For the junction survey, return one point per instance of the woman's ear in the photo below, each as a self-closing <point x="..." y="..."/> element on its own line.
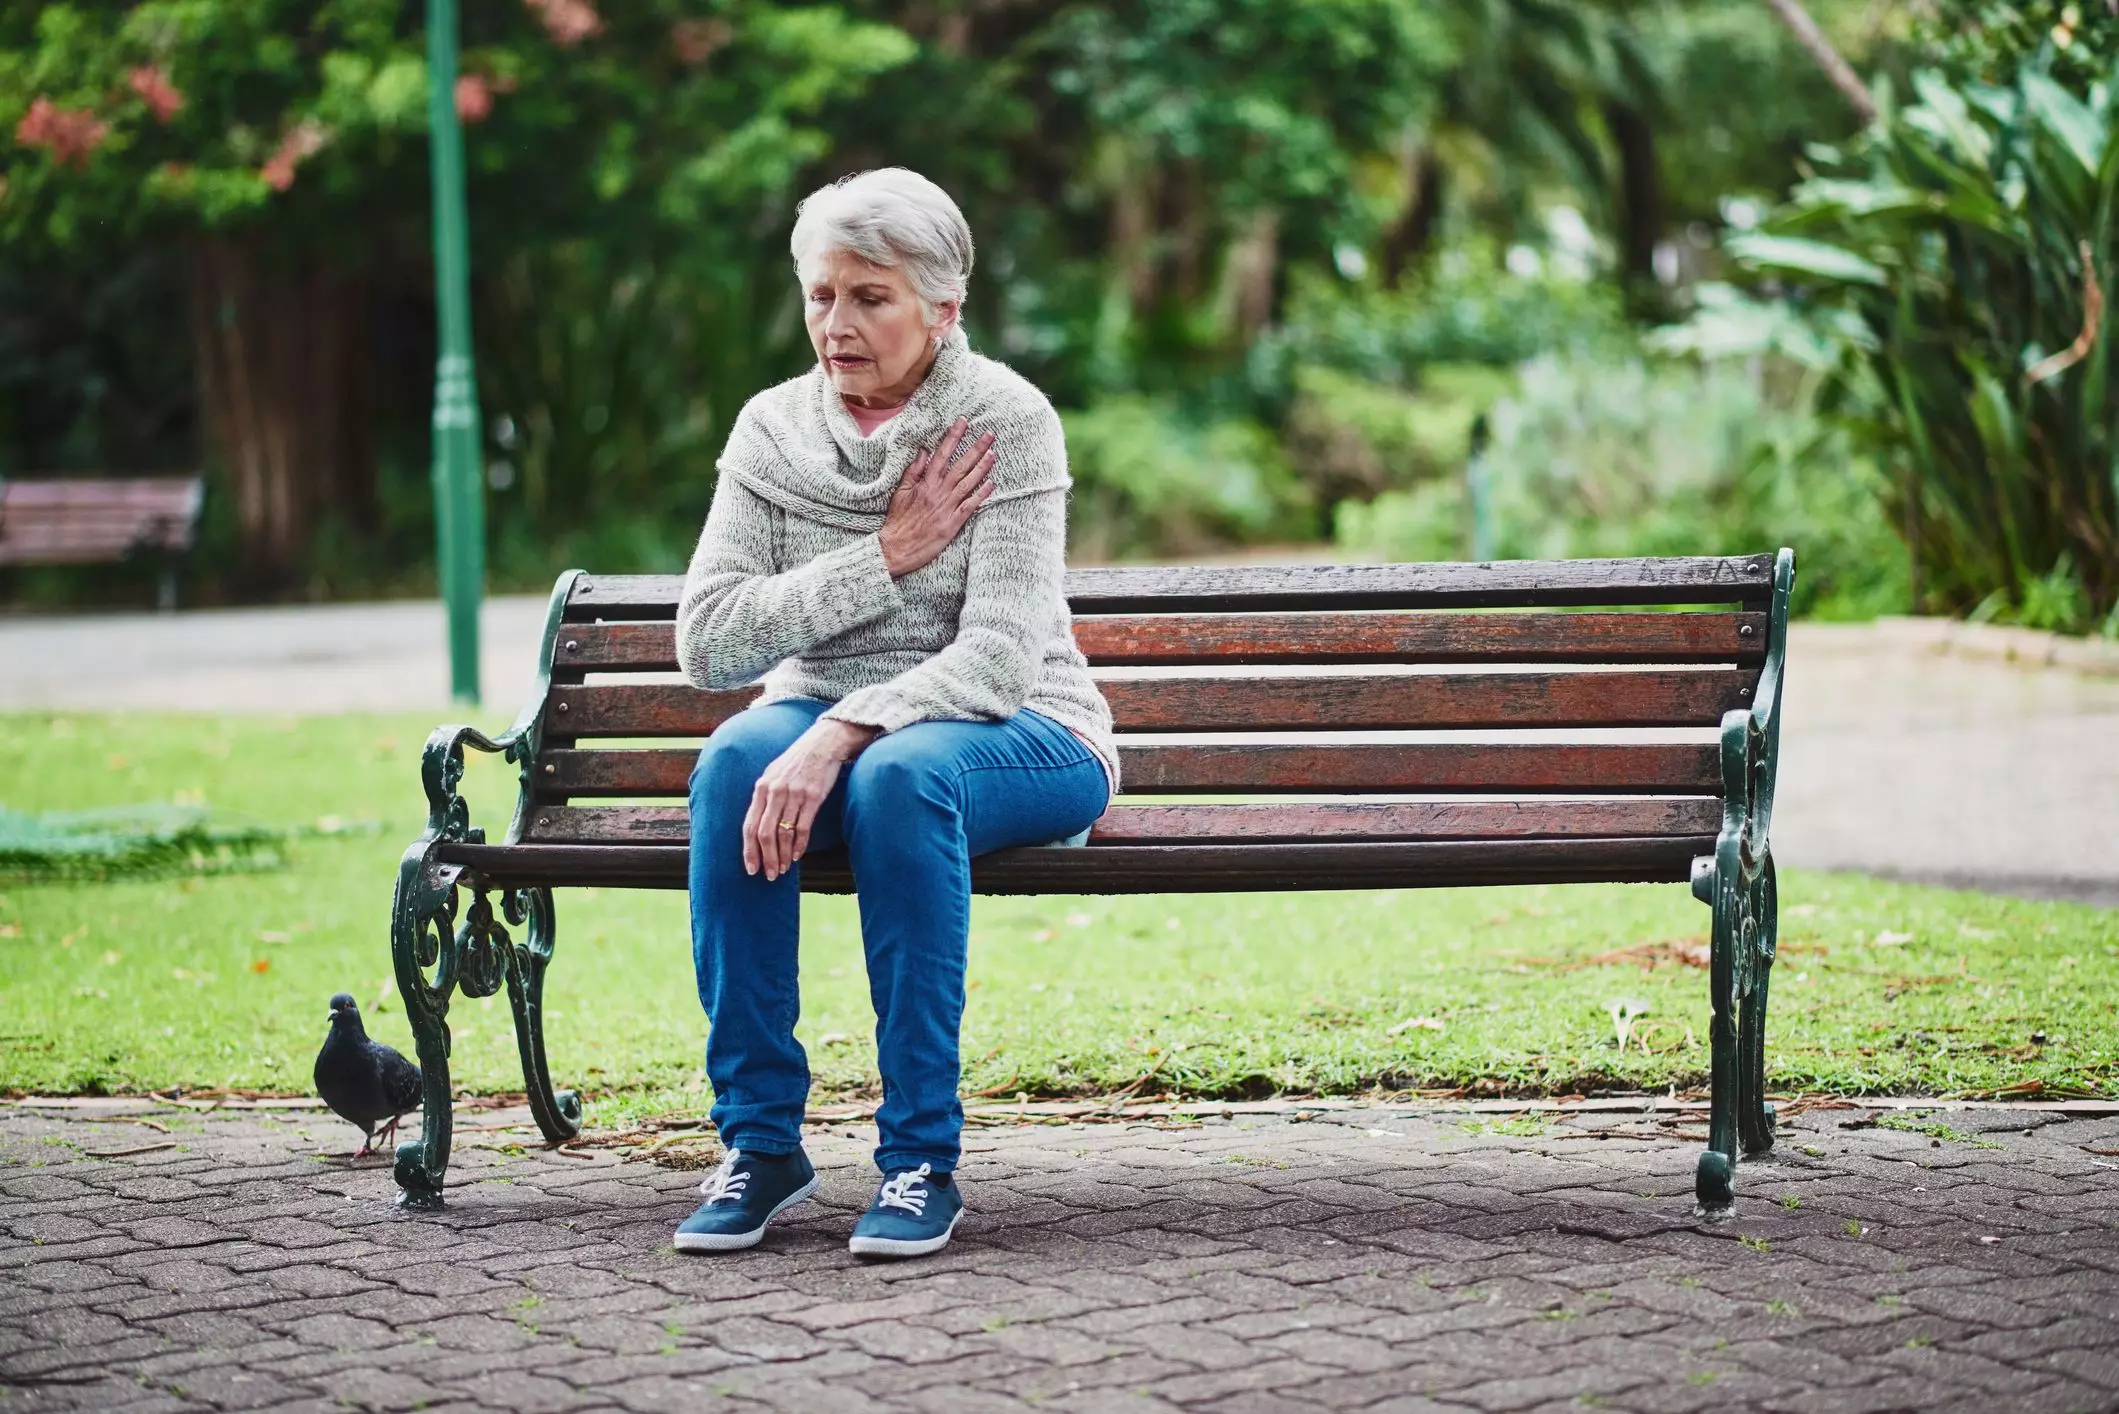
<point x="945" y="318"/>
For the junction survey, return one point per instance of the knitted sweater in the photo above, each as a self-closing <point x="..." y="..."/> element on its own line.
<point x="788" y="582"/>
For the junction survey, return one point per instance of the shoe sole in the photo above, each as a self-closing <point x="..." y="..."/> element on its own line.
<point x="902" y="1247"/>
<point x="737" y="1241"/>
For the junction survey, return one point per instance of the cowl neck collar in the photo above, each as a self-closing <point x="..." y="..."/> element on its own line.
<point x="826" y="470"/>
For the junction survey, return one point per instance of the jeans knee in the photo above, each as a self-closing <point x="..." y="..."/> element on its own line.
<point x="737" y="754"/>
<point x="894" y="775"/>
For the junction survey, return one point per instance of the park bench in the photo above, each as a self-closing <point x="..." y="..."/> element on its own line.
<point x="1442" y="724"/>
<point x="99" y="521"/>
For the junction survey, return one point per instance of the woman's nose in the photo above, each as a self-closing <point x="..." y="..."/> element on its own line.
<point x="838" y="321"/>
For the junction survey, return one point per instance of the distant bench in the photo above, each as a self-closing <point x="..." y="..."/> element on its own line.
<point x="101" y="520"/>
<point x="1540" y="697"/>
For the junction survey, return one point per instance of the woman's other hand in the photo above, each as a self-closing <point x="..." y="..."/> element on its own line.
<point x="939" y="492"/>
<point x="784" y="803"/>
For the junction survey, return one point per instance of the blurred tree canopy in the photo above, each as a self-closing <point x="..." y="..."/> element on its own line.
<point x="1257" y="234"/>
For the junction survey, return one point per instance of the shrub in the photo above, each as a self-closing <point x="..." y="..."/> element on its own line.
<point x="1599" y="457"/>
<point x="1150" y="481"/>
<point x="1959" y="262"/>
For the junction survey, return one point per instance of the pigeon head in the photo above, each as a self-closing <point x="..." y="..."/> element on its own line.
<point x="344" y="1011"/>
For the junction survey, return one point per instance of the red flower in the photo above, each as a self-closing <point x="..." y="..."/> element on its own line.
<point x="567" y="21"/>
<point x="304" y="139"/>
<point x="156" y="91"/>
<point x="70" y="133"/>
<point x="696" y="40"/>
<point x="474" y="98"/>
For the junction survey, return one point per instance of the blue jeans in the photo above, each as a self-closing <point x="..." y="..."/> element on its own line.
<point x="910" y="811"/>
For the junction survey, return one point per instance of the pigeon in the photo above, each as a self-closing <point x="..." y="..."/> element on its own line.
<point x="364" y="1081"/>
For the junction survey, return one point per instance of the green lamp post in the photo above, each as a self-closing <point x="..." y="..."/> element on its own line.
<point x="459" y="502"/>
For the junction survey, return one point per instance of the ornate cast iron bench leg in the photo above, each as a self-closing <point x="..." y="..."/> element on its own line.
<point x="1744" y="938"/>
<point x="422" y="933"/>
<point x="1738" y="884"/>
<point x="477" y="955"/>
<point x="1755" y="1115"/>
<point x="558" y="1112"/>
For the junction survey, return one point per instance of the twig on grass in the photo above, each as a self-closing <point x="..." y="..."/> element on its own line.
<point x="128" y="1153"/>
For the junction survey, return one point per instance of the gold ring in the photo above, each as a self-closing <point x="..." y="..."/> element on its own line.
<point x="787" y="824"/>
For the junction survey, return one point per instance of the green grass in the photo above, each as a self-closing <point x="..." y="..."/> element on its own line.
<point x="221" y="981"/>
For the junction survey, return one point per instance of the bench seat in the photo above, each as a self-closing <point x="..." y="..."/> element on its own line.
<point x="1279" y="727"/>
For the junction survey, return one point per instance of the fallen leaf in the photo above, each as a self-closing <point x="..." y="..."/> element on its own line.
<point x="1416" y="1023"/>
<point x="1684" y="952"/>
<point x="1624" y="1013"/>
<point x="835" y="1038"/>
<point x="273" y="935"/>
<point x="112" y="957"/>
<point x="10" y="930"/>
<point x="1889" y="939"/>
<point x="261" y="965"/>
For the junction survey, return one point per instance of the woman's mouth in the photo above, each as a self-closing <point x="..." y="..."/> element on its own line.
<point x="849" y="361"/>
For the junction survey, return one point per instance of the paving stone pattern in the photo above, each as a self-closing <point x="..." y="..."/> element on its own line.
<point x="1378" y="1259"/>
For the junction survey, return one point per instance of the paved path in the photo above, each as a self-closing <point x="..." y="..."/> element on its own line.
<point x="1898" y="760"/>
<point x="1385" y="1260"/>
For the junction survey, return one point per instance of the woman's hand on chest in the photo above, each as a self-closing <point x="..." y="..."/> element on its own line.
<point x="784" y="803"/>
<point x="934" y="499"/>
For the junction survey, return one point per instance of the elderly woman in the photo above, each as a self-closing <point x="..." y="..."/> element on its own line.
<point x="885" y="550"/>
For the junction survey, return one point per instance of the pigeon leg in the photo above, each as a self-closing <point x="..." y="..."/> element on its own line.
<point x="367" y="1144"/>
<point x="389" y="1132"/>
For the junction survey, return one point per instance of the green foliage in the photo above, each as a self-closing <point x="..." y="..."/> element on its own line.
<point x="1595" y="456"/>
<point x="1953" y="261"/>
<point x="128" y="842"/>
<point x="1150" y="480"/>
<point x="1288" y="218"/>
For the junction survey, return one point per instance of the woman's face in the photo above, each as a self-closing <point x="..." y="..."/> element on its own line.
<point x="868" y="330"/>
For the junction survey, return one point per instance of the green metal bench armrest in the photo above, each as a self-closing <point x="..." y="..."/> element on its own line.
<point x="441" y="766"/>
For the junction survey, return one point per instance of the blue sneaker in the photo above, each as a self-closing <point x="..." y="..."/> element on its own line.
<point x="911" y="1216"/>
<point x="742" y="1196"/>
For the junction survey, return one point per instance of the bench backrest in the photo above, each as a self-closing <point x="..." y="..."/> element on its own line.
<point x="94" y="520"/>
<point x="1509" y="700"/>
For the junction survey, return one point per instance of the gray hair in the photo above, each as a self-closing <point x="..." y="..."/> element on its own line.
<point x="893" y="217"/>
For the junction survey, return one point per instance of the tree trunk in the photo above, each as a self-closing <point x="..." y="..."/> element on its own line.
<point x="1640" y="202"/>
<point x="1408" y="240"/>
<point x="1836" y="69"/>
<point x="283" y="352"/>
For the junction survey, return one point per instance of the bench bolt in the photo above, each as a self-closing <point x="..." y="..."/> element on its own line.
<point x="1745" y="631"/>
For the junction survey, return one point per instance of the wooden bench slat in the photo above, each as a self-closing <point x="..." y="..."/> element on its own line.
<point x="1701" y="579"/>
<point x="1367" y="636"/>
<point x="603" y="648"/>
<point x="1232" y="822"/>
<point x="87" y="520"/>
<point x="1116" y="869"/>
<point x="1362" y="636"/>
<point x="1411" y="702"/>
<point x="175" y="495"/>
<point x="1172" y="768"/>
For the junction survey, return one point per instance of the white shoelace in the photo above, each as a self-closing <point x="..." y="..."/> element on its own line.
<point x="906" y="1191"/>
<point x="725" y="1182"/>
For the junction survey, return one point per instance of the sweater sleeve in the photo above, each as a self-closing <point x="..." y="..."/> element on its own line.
<point x="1013" y="582"/>
<point x="741" y="615"/>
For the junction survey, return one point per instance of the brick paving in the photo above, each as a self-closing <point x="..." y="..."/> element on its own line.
<point x="1382" y="1259"/>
